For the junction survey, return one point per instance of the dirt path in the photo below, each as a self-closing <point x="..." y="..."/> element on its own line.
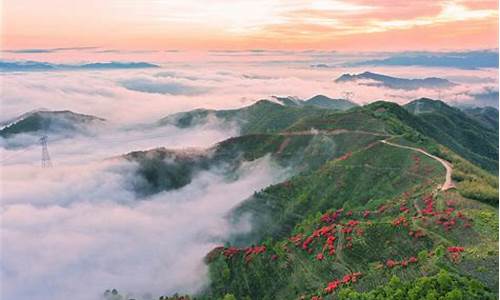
<point x="448" y="183"/>
<point x="283" y="145"/>
<point x="329" y="132"/>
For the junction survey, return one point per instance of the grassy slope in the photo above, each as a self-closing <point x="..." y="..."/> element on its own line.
<point x="261" y="117"/>
<point x="296" y="272"/>
<point x="487" y="116"/>
<point x="295" y="206"/>
<point x="368" y="178"/>
<point x="456" y="130"/>
<point x="371" y="175"/>
<point x="161" y="169"/>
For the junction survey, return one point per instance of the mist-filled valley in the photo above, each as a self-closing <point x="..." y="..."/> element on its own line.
<point x="150" y="167"/>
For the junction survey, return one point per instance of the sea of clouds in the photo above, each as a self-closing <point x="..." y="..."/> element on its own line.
<point x="77" y="229"/>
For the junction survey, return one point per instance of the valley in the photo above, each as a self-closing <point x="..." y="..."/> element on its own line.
<point x="371" y="201"/>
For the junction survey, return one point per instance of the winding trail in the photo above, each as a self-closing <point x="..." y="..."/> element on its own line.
<point x="329" y="132"/>
<point x="448" y="183"/>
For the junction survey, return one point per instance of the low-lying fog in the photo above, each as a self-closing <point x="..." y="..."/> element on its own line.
<point x="77" y="229"/>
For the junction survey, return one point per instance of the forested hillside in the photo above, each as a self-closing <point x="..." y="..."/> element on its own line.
<point x="367" y="212"/>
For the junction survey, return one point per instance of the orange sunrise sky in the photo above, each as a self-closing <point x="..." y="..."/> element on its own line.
<point x="360" y="25"/>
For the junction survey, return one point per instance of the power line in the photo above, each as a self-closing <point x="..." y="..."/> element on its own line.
<point x="5" y="159"/>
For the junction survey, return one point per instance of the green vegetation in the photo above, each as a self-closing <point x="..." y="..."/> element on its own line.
<point x="472" y="181"/>
<point x="456" y="130"/>
<point x="262" y="117"/>
<point x="367" y="179"/>
<point x="66" y="121"/>
<point x="487" y="116"/>
<point x="325" y="102"/>
<point x="444" y="285"/>
<point x="358" y="218"/>
<point x="162" y="169"/>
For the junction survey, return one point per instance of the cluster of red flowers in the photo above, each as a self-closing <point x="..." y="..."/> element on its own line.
<point x="349" y="227"/>
<point x="332" y="217"/>
<point x="296" y="239"/>
<point x="381" y="209"/>
<point x="445" y="218"/>
<point x="403" y="263"/>
<point x="328" y="232"/>
<point x="416" y="234"/>
<point x="333" y="285"/>
<point x="456" y="249"/>
<point x="325" y="231"/>
<point x="230" y="252"/>
<point x="250" y="252"/>
<point x="447" y="222"/>
<point x="429" y="206"/>
<point x="400" y="221"/>
<point x="330" y="244"/>
<point x="454" y="253"/>
<point x="404" y="209"/>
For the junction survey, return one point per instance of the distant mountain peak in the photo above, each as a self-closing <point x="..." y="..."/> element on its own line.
<point x="327" y="102"/>
<point x="289" y="100"/>
<point x="48" y="120"/>
<point x="394" y="82"/>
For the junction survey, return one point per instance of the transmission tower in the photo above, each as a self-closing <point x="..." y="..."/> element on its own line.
<point x="46" y="163"/>
<point x="347" y="95"/>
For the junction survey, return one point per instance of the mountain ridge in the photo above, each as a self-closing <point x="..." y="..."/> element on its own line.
<point x="395" y="82"/>
<point x="48" y="121"/>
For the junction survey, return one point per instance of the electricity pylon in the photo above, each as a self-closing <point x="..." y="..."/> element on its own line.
<point x="347" y="95"/>
<point x="46" y="163"/>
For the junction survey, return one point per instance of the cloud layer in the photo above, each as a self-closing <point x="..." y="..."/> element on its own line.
<point x="91" y="234"/>
<point x="89" y="230"/>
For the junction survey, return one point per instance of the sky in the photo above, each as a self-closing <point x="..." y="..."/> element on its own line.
<point x="90" y="231"/>
<point x="342" y="25"/>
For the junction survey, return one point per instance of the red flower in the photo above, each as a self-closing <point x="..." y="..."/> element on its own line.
<point x="391" y="263"/>
<point x="230" y="252"/>
<point x="455" y="249"/>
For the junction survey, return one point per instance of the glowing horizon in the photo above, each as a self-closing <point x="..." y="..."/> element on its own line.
<point x="388" y="25"/>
